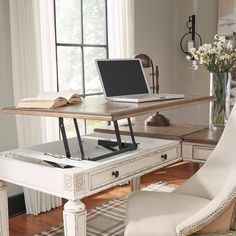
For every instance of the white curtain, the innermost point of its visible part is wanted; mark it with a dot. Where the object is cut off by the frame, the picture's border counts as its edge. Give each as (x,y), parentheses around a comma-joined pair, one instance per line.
(121,28)
(121,32)
(33,69)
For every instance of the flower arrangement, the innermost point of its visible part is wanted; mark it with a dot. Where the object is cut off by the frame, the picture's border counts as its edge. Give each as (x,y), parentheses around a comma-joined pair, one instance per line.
(217,57)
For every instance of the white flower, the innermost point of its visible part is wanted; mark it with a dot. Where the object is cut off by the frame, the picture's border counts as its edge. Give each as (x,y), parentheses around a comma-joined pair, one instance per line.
(201,61)
(195,66)
(188,58)
(229,45)
(216,57)
(222,39)
(192,50)
(196,57)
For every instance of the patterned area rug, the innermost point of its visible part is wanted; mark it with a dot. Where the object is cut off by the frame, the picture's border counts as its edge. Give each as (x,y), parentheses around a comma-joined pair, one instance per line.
(108,219)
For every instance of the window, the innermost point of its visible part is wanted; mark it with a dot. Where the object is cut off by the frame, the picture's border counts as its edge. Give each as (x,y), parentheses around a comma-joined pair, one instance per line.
(81,37)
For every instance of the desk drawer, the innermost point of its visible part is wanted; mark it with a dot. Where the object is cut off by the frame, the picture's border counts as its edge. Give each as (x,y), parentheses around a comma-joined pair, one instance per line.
(202,152)
(198,152)
(133,166)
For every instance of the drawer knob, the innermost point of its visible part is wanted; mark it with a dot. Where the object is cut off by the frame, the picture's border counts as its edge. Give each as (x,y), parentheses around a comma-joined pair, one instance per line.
(164,157)
(115,173)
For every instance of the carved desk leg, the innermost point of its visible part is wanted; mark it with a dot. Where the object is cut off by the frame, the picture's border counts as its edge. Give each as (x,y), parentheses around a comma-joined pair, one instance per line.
(135,184)
(4,222)
(74,216)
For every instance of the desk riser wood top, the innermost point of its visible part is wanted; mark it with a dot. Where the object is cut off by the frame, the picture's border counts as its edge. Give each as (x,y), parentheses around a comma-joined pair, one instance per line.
(96,108)
(172,132)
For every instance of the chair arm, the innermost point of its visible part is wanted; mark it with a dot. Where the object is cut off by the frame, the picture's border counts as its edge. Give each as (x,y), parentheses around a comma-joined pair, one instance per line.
(229,233)
(206,215)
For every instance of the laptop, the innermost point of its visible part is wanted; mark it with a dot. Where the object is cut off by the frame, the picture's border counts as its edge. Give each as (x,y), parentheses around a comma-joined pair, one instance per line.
(123,80)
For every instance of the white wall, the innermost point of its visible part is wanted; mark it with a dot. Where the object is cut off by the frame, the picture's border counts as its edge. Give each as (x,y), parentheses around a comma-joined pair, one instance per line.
(154,22)
(159,26)
(8,136)
(186,80)
(154,36)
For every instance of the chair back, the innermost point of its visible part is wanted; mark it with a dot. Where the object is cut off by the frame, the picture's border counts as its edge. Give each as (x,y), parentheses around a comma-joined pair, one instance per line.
(219,172)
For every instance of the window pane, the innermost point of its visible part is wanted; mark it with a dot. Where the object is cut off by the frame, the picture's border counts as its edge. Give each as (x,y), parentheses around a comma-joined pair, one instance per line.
(94,16)
(68,21)
(92,83)
(70,128)
(70,68)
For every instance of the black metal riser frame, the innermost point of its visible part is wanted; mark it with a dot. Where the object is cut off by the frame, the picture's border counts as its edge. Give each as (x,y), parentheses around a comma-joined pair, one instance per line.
(110,145)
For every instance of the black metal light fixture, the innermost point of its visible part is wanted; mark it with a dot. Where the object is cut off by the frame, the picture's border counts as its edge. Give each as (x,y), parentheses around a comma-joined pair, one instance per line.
(156,119)
(192,36)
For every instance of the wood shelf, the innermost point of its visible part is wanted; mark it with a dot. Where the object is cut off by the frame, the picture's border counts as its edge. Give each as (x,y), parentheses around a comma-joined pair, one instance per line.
(172,132)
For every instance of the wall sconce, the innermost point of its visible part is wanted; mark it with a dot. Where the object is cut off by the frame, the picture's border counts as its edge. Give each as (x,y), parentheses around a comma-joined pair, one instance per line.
(191,43)
(156,119)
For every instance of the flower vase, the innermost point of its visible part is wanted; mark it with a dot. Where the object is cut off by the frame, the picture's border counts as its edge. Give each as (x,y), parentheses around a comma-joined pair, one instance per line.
(220,84)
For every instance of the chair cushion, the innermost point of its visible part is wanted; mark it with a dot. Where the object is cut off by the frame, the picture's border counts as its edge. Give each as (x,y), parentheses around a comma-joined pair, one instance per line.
(157,213)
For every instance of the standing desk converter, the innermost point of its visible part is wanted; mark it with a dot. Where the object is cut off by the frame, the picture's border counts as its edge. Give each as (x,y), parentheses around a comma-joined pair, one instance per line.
(81,166)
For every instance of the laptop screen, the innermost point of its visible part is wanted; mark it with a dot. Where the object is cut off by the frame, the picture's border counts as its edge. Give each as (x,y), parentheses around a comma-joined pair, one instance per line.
(122,77)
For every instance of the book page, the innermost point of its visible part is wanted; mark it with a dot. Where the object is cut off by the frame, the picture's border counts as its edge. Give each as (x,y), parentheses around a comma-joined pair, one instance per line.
(36,99)
(26,103)
(53,95)
(50,100)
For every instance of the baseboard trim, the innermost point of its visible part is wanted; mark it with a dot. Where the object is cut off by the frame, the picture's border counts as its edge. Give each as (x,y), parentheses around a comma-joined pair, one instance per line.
(16,205)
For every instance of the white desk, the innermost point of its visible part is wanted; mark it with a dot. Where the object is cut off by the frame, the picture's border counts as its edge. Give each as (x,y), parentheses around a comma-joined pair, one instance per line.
(27,167)
(88,177)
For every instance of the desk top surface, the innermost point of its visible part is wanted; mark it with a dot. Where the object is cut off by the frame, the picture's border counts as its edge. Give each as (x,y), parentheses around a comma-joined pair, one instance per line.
(97,108)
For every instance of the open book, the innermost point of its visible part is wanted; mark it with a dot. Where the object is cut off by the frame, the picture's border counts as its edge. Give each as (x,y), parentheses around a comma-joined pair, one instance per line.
(50,100)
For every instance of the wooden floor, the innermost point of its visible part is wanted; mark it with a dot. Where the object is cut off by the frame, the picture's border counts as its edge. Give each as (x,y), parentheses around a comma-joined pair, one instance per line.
(28,225)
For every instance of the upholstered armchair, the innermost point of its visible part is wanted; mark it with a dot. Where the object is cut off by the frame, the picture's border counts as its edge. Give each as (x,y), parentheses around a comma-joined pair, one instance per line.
(203,204)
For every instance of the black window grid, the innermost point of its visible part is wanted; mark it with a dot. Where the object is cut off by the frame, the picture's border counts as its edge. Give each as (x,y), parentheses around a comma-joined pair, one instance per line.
(81,45)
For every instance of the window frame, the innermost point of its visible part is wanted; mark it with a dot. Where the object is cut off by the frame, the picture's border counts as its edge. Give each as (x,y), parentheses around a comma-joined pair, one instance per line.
(82,46)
